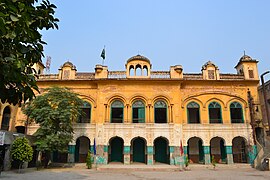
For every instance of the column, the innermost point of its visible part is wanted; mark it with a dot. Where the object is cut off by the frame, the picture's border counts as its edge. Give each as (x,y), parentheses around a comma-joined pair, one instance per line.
(206,151)
(229,154)
(171,148)
(126,154)
(71,153)
(150,156)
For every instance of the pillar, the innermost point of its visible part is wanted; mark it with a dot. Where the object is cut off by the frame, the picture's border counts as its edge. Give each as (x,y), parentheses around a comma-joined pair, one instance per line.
(171,155)
(71,153)
(126,154)
(206,151)
(229,154)
(150,155)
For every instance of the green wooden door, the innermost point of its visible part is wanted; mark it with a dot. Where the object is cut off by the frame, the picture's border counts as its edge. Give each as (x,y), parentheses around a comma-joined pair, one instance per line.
(77,149)
(117,150)
(201,153)
(223,151)
(139,150)
(161,150)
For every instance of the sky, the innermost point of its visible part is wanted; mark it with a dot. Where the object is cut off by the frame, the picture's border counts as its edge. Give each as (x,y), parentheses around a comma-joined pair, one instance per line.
(168,32)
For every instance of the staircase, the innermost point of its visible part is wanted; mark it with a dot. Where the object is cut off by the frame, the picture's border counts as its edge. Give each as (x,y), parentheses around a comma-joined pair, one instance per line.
(263,152)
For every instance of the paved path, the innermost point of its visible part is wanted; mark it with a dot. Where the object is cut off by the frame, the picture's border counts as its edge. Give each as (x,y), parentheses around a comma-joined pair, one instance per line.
(117,172)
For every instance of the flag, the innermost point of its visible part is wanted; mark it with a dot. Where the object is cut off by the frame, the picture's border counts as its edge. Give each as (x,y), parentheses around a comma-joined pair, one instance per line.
(181,149)
(102,55)
(95,152)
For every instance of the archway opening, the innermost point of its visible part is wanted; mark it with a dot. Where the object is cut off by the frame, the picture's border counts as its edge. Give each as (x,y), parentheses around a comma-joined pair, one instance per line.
(160,112)
(218,150)
(117,112)
(81,149)
(20,129)
(195,150)
(138,112)
(86,113)
(116,147)
(214,109)
(193,110)
(138,146)
(161,150)
(239,148)
(5,119)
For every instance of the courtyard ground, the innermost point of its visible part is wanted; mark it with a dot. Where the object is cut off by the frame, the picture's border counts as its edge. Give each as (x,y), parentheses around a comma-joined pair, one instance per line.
(134,172)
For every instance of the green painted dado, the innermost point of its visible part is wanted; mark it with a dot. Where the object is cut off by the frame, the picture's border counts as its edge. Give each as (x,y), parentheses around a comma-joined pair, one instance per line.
(150,150)
(149,162)
(252,154)
(185,148)
(92,149)
(71,149)
(172,149)
(126,149)
(228,149)
(206,149)
(105,148)
(101,160)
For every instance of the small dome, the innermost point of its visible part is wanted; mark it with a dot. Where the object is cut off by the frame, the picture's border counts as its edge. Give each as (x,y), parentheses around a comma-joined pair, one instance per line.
(138,57)
(245,58)
(209,63)
(69,64)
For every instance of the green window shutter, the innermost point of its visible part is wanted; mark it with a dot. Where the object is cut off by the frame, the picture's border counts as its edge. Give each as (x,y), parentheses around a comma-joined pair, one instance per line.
(141,112)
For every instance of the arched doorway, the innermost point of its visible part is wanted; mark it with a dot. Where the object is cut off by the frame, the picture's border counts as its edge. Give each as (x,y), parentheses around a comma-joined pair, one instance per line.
(81,149)
(138,146)
(195,150)
(20,129)
(239,149)
(161,150)
(116,148)
(5,119)
(217,148)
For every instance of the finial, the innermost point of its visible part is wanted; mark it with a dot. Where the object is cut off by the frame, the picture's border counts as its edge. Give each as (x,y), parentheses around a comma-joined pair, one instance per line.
(244,52)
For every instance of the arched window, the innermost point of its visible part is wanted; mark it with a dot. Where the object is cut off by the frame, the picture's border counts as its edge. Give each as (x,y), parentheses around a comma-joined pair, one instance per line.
(86,113)
(138,70)
(117,112)
(193,112)
(145,71)
(214,109)
(160,112)
(138,112)
(131,71)
(5,119)
(236,113)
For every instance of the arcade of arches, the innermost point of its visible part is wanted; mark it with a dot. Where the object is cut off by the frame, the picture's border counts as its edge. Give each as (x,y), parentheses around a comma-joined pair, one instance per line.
(161,152)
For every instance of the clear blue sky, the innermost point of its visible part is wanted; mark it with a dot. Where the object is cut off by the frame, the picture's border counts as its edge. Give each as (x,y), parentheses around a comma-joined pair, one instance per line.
(170,32)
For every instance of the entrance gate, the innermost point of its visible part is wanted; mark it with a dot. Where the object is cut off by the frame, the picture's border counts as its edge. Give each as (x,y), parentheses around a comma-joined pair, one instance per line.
(139,146)
(116,149)
(161,150)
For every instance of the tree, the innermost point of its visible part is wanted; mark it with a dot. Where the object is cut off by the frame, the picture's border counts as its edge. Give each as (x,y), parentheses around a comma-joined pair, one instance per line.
(89,160)
(21,46)
(21,151)
(54,111)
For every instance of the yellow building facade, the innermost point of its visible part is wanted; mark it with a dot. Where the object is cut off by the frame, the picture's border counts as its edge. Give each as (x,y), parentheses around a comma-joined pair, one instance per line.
(146,116)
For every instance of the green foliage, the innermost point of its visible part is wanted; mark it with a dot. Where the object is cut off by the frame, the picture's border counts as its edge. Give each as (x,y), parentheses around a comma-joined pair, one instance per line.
(54,111)
(21,46)
(186,161)
(213,161)
(21,150)
(89,160)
